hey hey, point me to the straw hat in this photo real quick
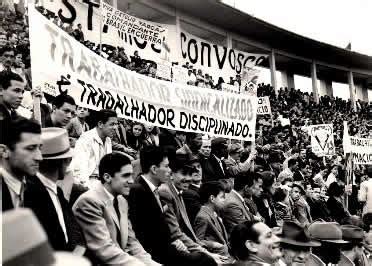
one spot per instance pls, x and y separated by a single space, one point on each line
26 243
56 144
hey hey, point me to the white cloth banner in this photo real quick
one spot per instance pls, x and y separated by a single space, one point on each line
361 149
322 141
163 70
216 60
229 88
263 106
249 79
87 13
97 83
142 29
180 74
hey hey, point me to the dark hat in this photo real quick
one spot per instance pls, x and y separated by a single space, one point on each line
327 232
218 141
300 187
352 233
294 234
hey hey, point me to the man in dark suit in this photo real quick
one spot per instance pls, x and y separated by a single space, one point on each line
12 86
191 198
148 214
208 226
214 167
46 199
20 158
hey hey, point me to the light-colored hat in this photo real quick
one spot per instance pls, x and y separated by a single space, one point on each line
326 231
56 144
26 243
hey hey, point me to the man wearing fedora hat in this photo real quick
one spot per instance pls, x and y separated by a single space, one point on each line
329 234
352 253
296 244
46 199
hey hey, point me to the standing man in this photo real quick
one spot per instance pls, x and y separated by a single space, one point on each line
78 125
92 146
20 158
192 146
233 165
46 199
365 192
102 212
145 205
214 167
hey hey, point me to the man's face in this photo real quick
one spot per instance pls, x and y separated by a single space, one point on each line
82 112
24 159
303 154
316 194
296 256
63 115
257 188
295 194
181 180
163 171
13 95
235 156
121 181
268 246
109 127
197 177
206 148
218 201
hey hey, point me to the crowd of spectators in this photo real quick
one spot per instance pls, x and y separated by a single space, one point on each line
188 198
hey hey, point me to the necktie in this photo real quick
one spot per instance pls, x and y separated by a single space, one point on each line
116 207
157 196
22 195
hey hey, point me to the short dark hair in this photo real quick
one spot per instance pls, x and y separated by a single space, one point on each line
150 156
6 48
190 136
279 195
105 114
61 99
212 188
246 179
16 127
112 163
335 190
239 235
6 77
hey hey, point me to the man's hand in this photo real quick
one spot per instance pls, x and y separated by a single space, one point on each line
180 246
37 93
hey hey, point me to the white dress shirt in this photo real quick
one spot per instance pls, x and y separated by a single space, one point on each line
51 187
15 186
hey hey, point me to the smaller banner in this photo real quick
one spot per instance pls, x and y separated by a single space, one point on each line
163 70
322 141
361 149
139 28
263 106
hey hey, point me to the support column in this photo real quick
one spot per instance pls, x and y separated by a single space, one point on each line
290 80
273 70
229 42
314 82
352 90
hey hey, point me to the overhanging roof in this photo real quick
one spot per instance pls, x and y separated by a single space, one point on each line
236 21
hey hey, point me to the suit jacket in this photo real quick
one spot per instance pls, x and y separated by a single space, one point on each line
319 210
176 217
314 261
365 195
37 198
209 228
155 236
110 239
302 212
6 199
234 168
212 169
86 155
337 210
234 211
191 198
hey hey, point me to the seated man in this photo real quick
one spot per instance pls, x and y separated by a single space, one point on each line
176 217
208 226
102 212
149 215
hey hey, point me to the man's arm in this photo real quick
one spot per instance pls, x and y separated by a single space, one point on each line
362 193
80 162
232 215
89 215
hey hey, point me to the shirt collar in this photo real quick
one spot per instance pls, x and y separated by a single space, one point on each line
239 196
13 183
97 137
151 185
47 183
179 192
109 195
